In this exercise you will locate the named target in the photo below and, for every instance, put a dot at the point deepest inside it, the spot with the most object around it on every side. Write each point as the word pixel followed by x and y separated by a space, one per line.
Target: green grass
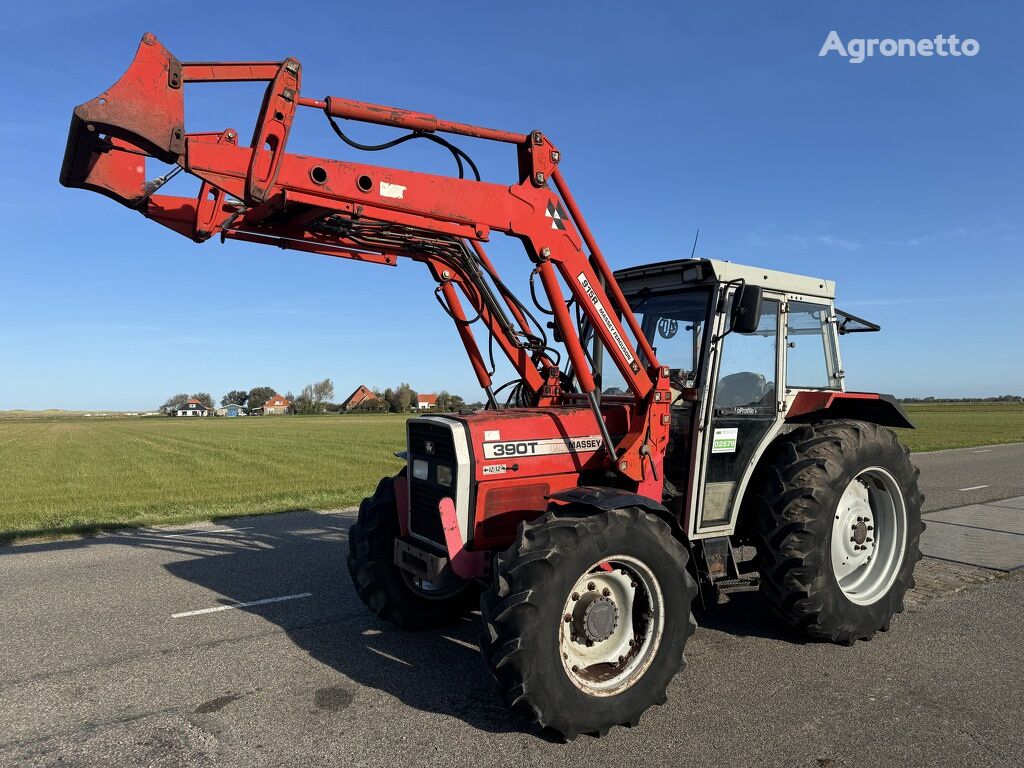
pixel 962 425
pixel 76 475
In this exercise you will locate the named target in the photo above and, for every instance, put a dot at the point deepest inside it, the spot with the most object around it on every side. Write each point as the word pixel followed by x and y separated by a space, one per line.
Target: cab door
pixel 743 413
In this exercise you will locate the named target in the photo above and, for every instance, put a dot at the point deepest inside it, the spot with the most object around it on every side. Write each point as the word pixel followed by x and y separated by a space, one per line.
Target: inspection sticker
pixel 724 440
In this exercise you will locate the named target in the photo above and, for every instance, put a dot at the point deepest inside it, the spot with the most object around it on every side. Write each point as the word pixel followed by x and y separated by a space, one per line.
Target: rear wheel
pixel 586 619
pixel 393 594
pixel 837 521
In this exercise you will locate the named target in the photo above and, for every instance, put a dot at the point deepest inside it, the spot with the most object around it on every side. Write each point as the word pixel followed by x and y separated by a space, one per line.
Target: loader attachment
pixel 142 114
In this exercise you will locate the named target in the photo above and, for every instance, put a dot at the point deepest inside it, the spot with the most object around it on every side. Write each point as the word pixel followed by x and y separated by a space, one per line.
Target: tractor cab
pixel 740 343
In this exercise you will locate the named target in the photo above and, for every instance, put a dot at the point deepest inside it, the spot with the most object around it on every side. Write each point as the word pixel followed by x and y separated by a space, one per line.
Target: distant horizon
pixel 469 400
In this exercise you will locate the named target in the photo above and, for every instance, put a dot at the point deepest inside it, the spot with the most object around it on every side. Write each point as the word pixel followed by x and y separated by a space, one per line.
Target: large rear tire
pixel 586 619
pixel 391 593
pixel 837 526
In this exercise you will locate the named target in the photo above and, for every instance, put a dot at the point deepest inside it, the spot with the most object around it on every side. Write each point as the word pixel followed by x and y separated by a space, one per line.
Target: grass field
pixel 962 425
pixel 78 474
pixel 74 475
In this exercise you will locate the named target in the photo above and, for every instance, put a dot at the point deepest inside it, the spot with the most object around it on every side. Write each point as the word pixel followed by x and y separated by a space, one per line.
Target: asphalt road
pixel 110 657
pixel 971 475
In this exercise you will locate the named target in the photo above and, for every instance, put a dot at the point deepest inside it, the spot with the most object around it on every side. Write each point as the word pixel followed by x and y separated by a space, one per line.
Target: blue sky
pixel 898 178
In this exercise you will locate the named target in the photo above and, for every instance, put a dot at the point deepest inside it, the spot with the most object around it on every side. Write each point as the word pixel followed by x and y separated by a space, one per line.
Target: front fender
pixel 603 499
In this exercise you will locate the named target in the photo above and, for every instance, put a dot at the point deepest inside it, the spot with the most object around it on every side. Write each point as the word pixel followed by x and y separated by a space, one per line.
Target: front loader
pixel 663 419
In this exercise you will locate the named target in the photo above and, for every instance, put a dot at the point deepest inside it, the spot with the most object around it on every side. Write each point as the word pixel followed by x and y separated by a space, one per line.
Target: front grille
pixel 424 495
pixel 424 517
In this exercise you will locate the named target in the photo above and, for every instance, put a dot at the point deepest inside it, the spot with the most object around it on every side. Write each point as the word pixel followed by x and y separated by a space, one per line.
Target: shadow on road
pixel 440 672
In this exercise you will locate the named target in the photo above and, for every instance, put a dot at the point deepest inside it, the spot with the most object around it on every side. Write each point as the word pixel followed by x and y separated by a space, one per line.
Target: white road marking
pixel 202 533
pixel 983 450
pixel 240 605
pixel 973 488
pixel 388 656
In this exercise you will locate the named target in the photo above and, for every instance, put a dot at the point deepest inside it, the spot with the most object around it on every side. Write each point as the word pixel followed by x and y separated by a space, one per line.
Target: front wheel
pixel 837 522
pixel 586 619
pixel 393 594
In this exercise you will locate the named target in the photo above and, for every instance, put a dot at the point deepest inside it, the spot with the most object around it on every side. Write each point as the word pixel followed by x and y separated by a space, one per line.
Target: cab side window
pixel 746 376
pixel 809 347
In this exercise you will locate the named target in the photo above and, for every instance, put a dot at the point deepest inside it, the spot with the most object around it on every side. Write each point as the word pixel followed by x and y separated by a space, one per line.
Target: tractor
pixel 663 419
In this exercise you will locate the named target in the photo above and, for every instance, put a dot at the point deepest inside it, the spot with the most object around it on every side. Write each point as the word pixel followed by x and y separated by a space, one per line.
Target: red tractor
pixel 663 418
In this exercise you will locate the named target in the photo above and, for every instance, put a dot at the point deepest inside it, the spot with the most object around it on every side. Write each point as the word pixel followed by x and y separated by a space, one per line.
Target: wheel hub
pixel 853 528
pixel 860 532
pixel 595 617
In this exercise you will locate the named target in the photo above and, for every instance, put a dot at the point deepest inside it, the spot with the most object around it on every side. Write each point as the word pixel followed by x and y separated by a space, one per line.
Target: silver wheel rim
pixel 611 625
pixel 869 536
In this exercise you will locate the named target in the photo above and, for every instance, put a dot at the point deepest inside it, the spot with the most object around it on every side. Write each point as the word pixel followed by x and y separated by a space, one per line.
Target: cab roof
pixel 670 274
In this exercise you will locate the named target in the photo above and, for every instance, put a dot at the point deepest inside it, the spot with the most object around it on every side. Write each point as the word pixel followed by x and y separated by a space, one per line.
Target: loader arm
pixel 260 193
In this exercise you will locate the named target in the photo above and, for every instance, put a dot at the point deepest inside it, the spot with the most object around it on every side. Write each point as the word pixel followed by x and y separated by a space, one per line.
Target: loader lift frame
pixel 263 194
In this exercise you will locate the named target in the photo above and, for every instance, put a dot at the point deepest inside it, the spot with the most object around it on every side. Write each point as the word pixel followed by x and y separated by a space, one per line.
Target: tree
pixel 400 399
pixel 314 396
pixel 235 397
pixel 173 403
pixel 448 402
pixel 205 398
pixel 259 395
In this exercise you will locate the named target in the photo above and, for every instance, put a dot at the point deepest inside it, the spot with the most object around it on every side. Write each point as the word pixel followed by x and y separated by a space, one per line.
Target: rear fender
pixel 883 410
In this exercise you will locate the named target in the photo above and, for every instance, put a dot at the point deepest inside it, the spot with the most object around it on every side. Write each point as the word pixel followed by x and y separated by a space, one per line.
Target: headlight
pixel 444 475
pixel 420 469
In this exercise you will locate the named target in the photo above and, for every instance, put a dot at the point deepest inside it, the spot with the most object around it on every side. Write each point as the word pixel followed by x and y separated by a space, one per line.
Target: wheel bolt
pixel 568 618
pixel 871 527
pixel 607 591
pixel 868 539
pixel 632 643
pixel 853 539
pixel 575 668
pixel 621 659
pixel 575 595
pixel 590 585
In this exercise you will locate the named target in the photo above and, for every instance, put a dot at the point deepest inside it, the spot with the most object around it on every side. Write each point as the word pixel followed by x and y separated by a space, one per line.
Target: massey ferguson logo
pixel 523 449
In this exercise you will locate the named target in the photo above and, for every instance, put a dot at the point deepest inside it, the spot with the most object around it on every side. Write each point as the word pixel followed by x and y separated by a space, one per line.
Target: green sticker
pixel 724 440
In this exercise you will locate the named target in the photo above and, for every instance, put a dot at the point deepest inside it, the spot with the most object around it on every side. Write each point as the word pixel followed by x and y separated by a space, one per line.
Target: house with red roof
pixel 426 402
pixel 278 405
pixel 361 396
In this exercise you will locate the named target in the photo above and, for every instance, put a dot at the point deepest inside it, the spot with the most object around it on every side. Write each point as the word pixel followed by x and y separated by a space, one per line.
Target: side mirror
pixel 746 309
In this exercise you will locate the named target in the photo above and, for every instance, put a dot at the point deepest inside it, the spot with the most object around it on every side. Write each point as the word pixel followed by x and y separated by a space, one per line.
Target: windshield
pixel 674 324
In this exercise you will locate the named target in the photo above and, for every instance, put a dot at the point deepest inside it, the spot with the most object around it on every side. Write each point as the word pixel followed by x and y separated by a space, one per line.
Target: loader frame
pixel 261 193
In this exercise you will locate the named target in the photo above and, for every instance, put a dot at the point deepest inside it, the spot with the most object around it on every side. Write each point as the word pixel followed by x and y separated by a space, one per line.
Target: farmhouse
pixel 192 408
pixel 426 402
pixel 277 405
pixel 363 394
pixel 231 409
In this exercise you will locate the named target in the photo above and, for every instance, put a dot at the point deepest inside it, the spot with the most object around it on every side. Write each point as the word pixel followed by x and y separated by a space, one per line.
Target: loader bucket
pixel 142 114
